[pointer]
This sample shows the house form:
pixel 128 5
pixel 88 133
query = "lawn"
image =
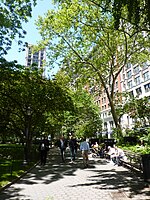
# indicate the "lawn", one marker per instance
pixel 11 162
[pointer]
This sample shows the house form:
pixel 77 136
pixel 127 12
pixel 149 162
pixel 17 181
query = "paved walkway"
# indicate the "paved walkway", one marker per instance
pixel 65 181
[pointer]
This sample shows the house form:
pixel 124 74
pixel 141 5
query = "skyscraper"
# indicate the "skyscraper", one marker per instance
pixel 35 58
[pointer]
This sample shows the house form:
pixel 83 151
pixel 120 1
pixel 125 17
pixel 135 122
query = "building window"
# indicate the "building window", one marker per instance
pixel 129 74
pixel 128 66
pixel 139 91
pixel 145 65
pixel 104 99
pixel 146 76
pixel 109 113
pixel 137 80
pixel 29 63
pixel 130 84
pixel 116 84
pixel 105 125
pixel 136 69
pixel 29 51
pixel 111 124
pixel 147 87
pixel 131 94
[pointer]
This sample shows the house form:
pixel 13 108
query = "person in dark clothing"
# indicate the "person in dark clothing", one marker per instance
pixel 73 148
pixel 62 144
pixel 43 148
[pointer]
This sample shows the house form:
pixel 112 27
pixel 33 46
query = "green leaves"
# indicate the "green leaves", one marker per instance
pixel 80 36
pixel 12 14
pixel 22 88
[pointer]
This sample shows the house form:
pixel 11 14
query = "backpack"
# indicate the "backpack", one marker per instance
pixel 43 146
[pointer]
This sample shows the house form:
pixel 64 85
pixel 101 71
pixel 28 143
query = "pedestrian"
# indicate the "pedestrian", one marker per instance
pixel 119 155
pixel 84 147
pixel 62 144
pixel 43 148
pixel 72 147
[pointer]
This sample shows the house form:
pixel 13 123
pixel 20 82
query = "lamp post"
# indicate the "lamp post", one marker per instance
pixel 27 125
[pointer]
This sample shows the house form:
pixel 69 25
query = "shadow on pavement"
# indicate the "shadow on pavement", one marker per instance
pixel 106 178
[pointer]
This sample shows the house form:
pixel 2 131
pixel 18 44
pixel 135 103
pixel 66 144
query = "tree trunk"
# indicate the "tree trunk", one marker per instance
pixel 27 148
pixel 116 119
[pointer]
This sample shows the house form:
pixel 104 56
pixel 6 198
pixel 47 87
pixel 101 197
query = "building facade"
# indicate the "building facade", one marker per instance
pixel 132 79
pixel 135 80
pixel 37 58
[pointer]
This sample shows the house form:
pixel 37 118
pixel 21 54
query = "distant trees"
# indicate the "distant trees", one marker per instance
pixel 85 120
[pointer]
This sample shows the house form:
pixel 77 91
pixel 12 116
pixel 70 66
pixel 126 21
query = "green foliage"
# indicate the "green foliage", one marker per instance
pixel 138 109
pixel 136 12
pixel 146 136
pixel 85 119
pixel 117 134
pixel 80 37
pixel 12 14
pixel 11 162
pixel 138 149
pixel 23 88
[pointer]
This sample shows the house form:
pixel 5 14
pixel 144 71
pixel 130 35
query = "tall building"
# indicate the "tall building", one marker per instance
pixel 36 58
pixel 133 79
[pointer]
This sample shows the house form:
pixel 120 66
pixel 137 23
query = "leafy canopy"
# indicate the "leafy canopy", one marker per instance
pixel 81 38
pixel 12 14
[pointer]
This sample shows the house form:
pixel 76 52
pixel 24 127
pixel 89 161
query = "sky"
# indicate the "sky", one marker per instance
pixel 32 35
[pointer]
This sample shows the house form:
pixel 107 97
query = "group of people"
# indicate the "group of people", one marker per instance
pixel 62 144
pixel 114 153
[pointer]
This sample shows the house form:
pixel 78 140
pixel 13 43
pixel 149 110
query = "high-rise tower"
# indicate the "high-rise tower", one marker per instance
pixel 35 58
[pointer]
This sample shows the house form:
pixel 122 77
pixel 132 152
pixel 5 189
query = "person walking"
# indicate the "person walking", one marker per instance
pixel 43 148
pixel 72 147
pixel 84 147
pixel 62 144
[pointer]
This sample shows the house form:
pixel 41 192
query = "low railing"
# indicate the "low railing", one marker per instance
pixel 133 161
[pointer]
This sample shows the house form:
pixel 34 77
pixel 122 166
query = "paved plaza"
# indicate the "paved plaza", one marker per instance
pixel 69 181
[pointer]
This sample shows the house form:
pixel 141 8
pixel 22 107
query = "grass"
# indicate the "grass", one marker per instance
pixel 11 163
pixel 11 171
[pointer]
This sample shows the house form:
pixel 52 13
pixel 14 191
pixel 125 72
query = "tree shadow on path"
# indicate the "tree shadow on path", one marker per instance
pixel 104 178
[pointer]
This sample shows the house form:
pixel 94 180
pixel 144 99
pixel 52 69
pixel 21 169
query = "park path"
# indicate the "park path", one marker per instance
pixel 65 181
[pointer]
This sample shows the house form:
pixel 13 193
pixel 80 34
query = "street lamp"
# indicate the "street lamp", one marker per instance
pixel 27 123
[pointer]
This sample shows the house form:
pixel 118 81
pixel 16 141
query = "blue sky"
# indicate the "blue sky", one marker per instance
pixel 32 35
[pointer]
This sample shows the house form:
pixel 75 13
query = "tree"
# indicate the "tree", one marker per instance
pixel 26 98
pixel 136 12
pixel 85 120
pixel 138 109
pixel 12 14
pixel 81 38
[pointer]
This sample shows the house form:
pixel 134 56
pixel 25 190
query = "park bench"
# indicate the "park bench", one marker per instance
pixel 133 161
